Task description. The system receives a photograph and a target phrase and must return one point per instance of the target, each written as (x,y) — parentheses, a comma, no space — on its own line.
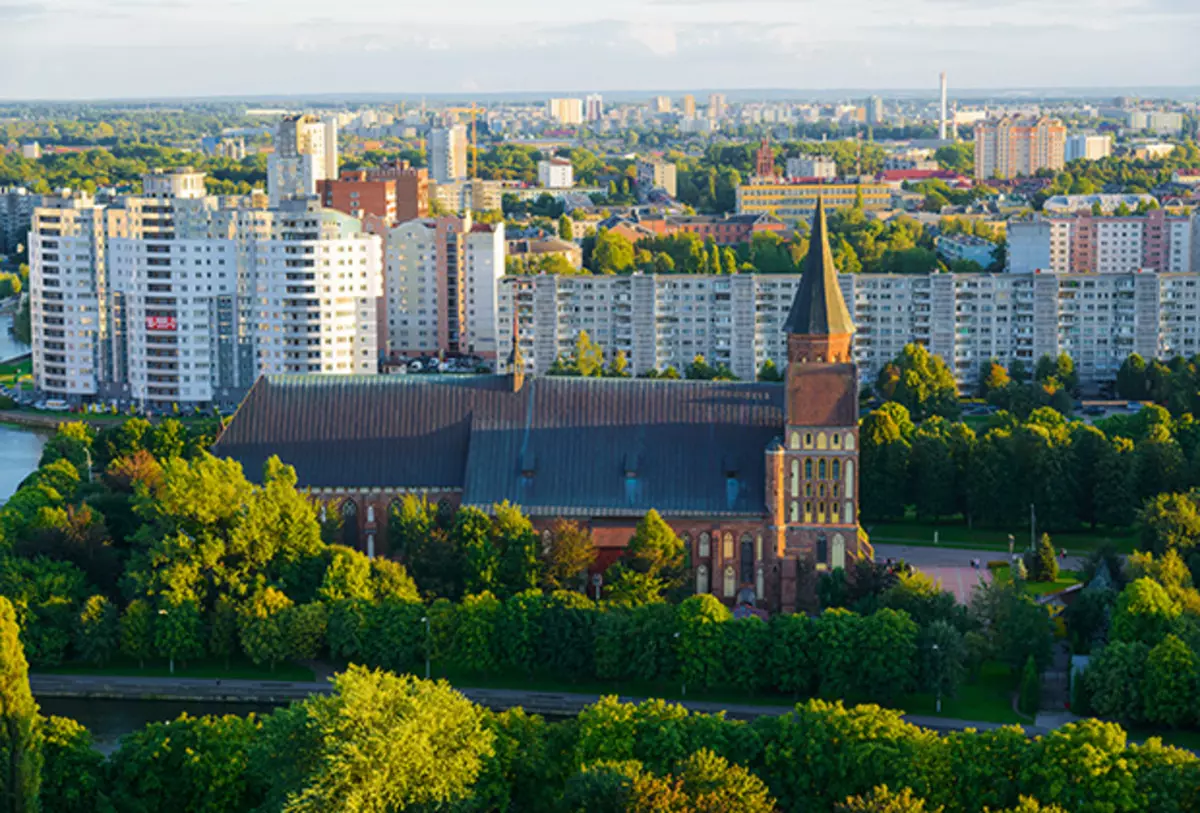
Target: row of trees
(382,742)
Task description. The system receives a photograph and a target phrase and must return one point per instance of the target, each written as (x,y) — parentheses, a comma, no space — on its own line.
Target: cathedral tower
(820,454)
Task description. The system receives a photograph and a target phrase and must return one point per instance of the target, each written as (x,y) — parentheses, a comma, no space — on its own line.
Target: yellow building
(798,201)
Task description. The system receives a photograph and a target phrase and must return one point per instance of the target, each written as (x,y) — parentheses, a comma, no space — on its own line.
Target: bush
(1031,688)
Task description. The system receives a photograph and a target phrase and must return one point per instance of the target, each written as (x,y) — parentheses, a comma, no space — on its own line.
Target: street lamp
(938,678)
(425,621)
(172,657)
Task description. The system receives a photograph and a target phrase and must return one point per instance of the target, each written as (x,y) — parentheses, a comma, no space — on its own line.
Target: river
(109,720)
(20,448)
(9,346)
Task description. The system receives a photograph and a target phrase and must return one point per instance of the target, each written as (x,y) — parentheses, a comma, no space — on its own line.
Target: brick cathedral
(755,477)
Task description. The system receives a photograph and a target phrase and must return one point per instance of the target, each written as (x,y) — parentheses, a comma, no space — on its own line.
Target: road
(551,704)
(952,566)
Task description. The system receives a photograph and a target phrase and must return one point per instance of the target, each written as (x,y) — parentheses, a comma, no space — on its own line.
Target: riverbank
(265,692)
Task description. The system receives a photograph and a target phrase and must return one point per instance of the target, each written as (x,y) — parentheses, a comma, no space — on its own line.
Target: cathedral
(755,477)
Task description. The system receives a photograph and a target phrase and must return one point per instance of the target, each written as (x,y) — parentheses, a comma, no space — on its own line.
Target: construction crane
(473,111)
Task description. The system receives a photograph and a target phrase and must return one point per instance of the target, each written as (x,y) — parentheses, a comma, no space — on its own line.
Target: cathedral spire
(516,361)
(819,309)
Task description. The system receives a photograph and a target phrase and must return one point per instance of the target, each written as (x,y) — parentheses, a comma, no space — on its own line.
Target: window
(350,524)
(730,581)
(837,470)
(821,469)
(704,545)
(747,558)
(795,478)
(808,471)
(822,441)
(727,546)
(701,580)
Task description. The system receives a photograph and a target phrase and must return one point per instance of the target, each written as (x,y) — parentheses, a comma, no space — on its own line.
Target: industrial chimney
(943,127)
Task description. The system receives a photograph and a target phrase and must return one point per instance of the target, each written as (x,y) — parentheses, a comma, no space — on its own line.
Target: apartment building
(594,107)
(812,166)
(1085,147)
(1083,244)
(356,194)
(687,106)
(412,188)
(556,173)
(442,287)
(448,154)
(565,111)
(793,202)
(178,297)
(967,319)
(67,287)
(1010,147)
(655,174)
(16,214)
(1155,121)
(306,151)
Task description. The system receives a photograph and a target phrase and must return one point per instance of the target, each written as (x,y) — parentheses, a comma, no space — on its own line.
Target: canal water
(109,720)
(9,346)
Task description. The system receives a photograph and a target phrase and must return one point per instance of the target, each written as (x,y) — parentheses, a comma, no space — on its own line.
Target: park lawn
(956,534)
(238,670)
(10,374)
(987,700)
(1003,574)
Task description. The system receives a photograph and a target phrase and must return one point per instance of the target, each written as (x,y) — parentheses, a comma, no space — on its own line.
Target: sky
(78,49)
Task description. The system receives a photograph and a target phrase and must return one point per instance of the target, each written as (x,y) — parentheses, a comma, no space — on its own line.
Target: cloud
(23,11)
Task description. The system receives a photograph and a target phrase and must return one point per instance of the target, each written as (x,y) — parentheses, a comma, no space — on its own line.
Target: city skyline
(233,47)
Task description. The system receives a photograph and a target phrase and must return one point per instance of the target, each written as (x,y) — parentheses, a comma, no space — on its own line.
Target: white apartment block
(67,288)
(1085,147)
(812,166)
(1156,121)
(306,151)
(655,174)
(556,173)
(565,111)
(441,280)
(967,319)
(448,154)
(186,298)
(1105,245)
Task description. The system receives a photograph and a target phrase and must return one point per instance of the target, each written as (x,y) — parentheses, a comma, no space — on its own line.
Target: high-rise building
(448,154)
(565,111)
(594,107)
(655,174)
(689,106)
(442,281)
(874,107)
(716,106)
(1010,147)
(16,216)
(662,104)
(1085,147)
(357,195)
(174,296)
(1155,121)
(306,151)
(944,120)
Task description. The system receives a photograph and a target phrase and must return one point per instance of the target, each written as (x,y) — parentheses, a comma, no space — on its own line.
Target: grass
(11,374)
(956,534)
(1003,574)
(237,670)
(987,700)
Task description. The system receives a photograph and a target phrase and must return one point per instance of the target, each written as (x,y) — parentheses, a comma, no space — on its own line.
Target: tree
(1017,625)
(566,229)
(137,631)
(714,785)
(179,630)
(1115,679)
(612,253)
(882,800)
(567,556)
(1170,684)
(197,764)
(1145,612)
(589,357)
(884,460)
(655,551)
(769,372)
(1131,378)
(97,635)
(992,378)
(701,640)
(1031,688)
(73,774)
(20,735)
(1169,522)
(942,659)
(1042,563)
(520,568)
(924,384)
(379,742)
(264,626)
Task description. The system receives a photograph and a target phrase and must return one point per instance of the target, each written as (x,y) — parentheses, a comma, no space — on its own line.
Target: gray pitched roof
(596,446)
(818,309)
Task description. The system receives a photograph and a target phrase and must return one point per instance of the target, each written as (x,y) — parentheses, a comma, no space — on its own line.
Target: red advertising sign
(160,323)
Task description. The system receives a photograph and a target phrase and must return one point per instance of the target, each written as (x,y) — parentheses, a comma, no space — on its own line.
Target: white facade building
(1085,147)
(185,298)
(1085,243)
(812,166)
(556,173)
(306,151)
(565,111)
(967,319)
(16,215)
(593,107)
(448,154)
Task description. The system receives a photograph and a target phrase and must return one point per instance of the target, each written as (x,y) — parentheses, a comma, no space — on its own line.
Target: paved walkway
(952,566)
(551,704)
